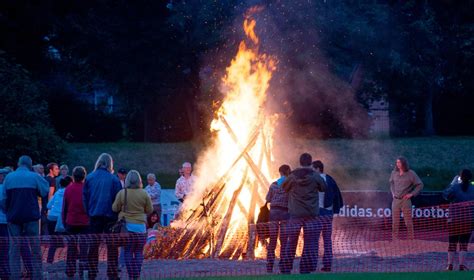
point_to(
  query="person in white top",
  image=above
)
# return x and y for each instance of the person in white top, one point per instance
(185, 183)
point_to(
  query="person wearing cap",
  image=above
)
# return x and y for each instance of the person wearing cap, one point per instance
(122, 174)
(185, 183)
(22, 188)
(4, 240)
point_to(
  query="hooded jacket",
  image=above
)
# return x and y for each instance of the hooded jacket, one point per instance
(303, 186)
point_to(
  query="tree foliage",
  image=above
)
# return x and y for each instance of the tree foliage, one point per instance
(24, 123)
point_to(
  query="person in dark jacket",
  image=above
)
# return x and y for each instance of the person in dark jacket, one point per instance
(461, 212)
(23, 187)
(330, 202)
(100, 189)
(303, 186)
(76, 221)
(278, 200)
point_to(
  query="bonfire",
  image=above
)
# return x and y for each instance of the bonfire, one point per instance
(218, 219)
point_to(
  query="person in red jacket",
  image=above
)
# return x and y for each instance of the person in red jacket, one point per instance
(76, 222)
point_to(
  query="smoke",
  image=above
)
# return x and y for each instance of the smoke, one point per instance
(312, 102)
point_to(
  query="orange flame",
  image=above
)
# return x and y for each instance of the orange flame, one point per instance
(240, 120)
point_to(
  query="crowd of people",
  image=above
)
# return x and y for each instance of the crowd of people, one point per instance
(89, 207)
(307, 198)
(85, 207)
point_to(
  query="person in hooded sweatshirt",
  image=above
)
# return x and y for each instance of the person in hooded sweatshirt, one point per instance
(303, 186)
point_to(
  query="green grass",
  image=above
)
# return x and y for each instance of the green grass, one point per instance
(356, 164)
(455, 275)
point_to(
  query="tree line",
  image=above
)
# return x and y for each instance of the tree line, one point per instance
(162, 62)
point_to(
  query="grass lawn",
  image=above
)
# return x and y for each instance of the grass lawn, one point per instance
(355, 164)
(455, 275)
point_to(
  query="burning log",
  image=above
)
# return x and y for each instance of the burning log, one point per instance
(262, 179)
(228, 215)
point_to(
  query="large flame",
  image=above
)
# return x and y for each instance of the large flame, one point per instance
(240, 156)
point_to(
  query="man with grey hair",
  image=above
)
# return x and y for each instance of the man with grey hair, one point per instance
(154, 191)
(184, 185)
(100, 189)
(39, 168)
(22, 188)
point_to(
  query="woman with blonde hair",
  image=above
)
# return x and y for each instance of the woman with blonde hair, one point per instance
(133, 205)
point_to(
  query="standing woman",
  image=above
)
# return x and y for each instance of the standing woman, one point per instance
(461, 196)
(404, 184)
(133, 205)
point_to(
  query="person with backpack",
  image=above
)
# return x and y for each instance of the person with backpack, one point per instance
(330, 202)
(278, 200)
(461, 211)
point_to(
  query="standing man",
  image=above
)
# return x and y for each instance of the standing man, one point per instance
(22, 190)
(330, 202)
(53, 172)
(404, 184)
(39, 168)
(303, 186)
(184, 185)
(278, 200)
(99, 191)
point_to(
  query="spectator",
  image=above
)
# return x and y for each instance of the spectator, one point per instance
(404, 184)
(185, 183)
(303, 186)
(122, 173)
(39, 168)
(153, 221)
(4, 240)
(22, 188)
(76, 223)
(63, 173)
(278, 200)
(461, 196)
(133, 204)
(55, 206)
(154, 191)
(100, 188)
(330, 202)
(53, 172)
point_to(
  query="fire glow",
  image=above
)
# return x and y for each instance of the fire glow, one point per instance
(234, 173)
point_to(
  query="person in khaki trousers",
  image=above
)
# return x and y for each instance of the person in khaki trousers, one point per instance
(404, 184)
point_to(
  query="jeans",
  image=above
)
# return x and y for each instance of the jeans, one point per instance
(278, 219)
(326, 217)
(98, 226)
(77, 248)
(134, 254)
(28, 233)
(4, 258)
(311, 230)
